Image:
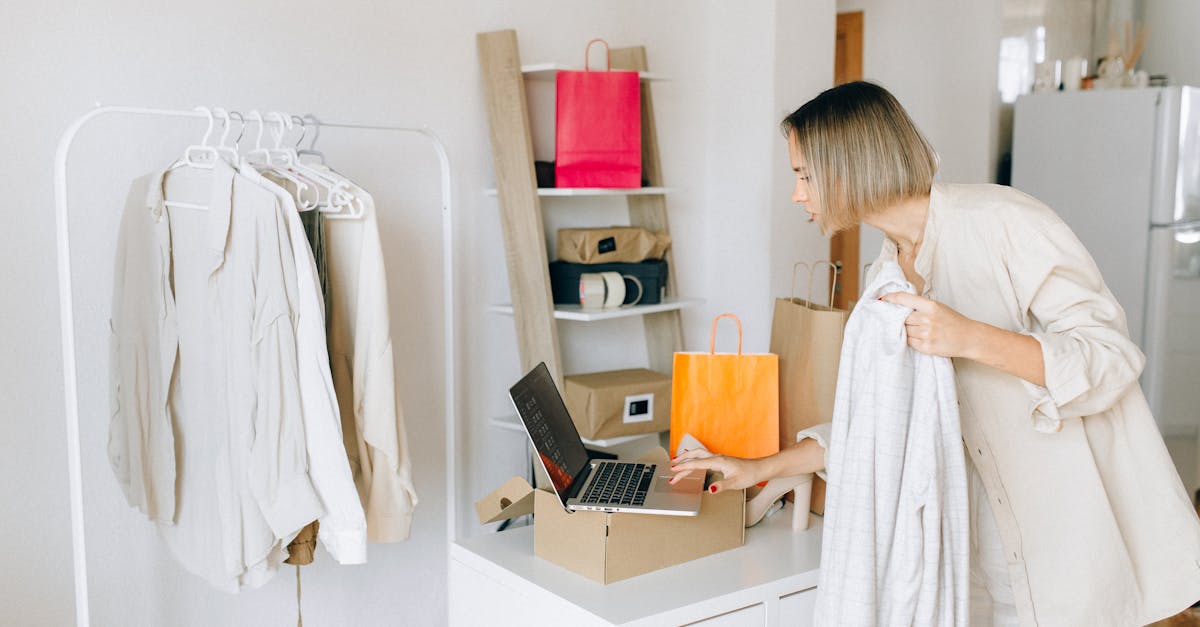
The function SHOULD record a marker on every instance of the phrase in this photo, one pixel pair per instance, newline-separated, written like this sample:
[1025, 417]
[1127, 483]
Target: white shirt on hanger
[343, 529]
[224, 298]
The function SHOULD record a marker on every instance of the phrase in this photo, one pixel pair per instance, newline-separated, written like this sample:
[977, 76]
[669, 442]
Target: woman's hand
[935, 329]
[738, 472]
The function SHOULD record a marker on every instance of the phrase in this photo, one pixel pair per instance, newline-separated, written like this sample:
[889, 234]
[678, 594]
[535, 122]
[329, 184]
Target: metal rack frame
[67, 318]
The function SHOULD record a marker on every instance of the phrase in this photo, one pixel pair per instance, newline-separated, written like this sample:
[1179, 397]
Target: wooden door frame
[844, 246]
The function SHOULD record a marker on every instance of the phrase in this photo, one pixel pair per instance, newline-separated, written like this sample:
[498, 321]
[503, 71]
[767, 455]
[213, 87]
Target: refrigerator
[1122, 168]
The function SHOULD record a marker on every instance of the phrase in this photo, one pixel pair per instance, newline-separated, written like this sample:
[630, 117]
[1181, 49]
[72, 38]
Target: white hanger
[261, 158]
[230, 153]
[339, 201]
[312, 145]
[200, 156]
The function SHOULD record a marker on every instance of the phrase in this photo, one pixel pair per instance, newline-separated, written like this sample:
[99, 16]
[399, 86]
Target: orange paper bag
[728, 401]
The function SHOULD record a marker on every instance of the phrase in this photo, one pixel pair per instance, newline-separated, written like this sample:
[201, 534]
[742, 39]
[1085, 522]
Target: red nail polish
[712, 488]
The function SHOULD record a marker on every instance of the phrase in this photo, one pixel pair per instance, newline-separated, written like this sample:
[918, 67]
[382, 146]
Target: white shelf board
[577, 312]
[594, 191]
[513, 423]
[546, 72]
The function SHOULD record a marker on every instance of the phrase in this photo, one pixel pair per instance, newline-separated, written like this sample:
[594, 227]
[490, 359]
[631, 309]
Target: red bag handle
[587, 55]
[712, 341]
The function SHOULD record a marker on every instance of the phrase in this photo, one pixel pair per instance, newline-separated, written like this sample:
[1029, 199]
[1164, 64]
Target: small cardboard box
[618, 402]
[608, 547]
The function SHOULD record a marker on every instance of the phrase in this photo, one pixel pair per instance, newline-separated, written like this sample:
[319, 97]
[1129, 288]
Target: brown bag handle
[712, 341]
[587, 55]
[811, 271]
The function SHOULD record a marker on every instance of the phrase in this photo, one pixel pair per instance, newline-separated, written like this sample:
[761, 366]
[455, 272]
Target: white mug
[606, 290]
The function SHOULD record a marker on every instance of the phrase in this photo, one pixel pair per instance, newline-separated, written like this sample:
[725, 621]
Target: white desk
[771, 581]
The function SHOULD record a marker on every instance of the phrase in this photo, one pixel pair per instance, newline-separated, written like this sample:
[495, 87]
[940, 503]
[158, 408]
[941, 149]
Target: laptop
[583, 484]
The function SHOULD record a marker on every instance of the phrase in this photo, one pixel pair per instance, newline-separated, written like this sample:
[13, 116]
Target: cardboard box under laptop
[607, 547]
[618, 402]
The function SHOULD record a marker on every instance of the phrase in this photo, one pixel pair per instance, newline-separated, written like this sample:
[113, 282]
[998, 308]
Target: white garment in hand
[895, 546]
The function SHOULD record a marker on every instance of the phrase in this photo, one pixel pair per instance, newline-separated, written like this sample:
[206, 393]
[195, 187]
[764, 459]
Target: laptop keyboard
[620, 484]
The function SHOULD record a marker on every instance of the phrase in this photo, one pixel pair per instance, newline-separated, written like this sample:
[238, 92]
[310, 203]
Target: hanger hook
[257, 117]
[303, 130]
[284, 123]
[312, 145]
[241, 129]
[226, 126]
[211, 121]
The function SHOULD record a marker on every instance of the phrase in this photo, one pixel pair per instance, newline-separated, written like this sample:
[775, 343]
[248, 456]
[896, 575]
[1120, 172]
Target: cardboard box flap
[514, 498]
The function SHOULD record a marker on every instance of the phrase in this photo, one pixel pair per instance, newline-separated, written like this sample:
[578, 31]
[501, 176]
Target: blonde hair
[862, 150]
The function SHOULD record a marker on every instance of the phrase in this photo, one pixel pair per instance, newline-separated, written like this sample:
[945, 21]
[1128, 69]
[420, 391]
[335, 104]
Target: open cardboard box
[608, 547]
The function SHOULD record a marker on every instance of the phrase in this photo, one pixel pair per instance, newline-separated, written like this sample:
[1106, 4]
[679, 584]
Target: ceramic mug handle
[641, 290]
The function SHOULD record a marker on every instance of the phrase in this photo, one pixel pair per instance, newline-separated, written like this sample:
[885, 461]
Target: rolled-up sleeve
[1090, 361]
[821, 433]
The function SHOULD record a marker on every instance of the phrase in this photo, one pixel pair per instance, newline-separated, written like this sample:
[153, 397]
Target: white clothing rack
[70, 391]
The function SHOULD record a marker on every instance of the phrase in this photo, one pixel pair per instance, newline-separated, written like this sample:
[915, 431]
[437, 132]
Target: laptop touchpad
[686, 485]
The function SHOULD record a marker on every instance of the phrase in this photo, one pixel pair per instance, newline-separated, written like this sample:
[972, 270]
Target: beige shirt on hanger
[360, 349]
[208, 331]
[343, 528]
[1096, 526]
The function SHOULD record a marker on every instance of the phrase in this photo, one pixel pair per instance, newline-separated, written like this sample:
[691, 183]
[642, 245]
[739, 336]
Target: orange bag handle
[712, 341]
[587, 51]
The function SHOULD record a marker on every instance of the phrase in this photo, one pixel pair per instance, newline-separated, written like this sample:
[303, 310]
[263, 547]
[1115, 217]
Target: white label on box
[638, 408]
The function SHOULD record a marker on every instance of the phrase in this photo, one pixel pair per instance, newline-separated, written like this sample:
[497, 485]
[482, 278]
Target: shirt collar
[220, 206]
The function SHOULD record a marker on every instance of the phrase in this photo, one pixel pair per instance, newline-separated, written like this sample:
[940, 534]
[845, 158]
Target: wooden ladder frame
[521, 210]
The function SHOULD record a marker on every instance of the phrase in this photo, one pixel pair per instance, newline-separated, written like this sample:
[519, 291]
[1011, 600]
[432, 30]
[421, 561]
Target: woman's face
[801, 192]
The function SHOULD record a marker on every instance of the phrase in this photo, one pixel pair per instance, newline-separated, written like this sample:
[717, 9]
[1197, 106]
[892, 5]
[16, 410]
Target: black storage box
[564, 280]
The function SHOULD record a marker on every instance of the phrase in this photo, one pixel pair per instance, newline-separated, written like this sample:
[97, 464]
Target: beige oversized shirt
[1096, 525]
[206, 434]
[364, 375]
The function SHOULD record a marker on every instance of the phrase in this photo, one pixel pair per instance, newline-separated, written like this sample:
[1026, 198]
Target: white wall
[804, 40]
[369, 61]
[940, 59]
[1172, 47]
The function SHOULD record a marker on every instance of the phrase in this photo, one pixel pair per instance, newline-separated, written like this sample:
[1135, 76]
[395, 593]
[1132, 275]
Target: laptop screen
[550, 428]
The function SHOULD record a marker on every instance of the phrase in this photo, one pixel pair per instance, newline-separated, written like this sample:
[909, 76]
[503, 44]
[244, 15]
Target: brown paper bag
[629, 244]
[808, 339]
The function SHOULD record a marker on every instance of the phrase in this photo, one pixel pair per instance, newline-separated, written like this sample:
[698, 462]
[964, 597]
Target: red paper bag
[598, 128]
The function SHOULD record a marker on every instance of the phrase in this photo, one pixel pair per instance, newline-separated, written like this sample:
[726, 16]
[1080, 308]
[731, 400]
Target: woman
[1078, 515]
